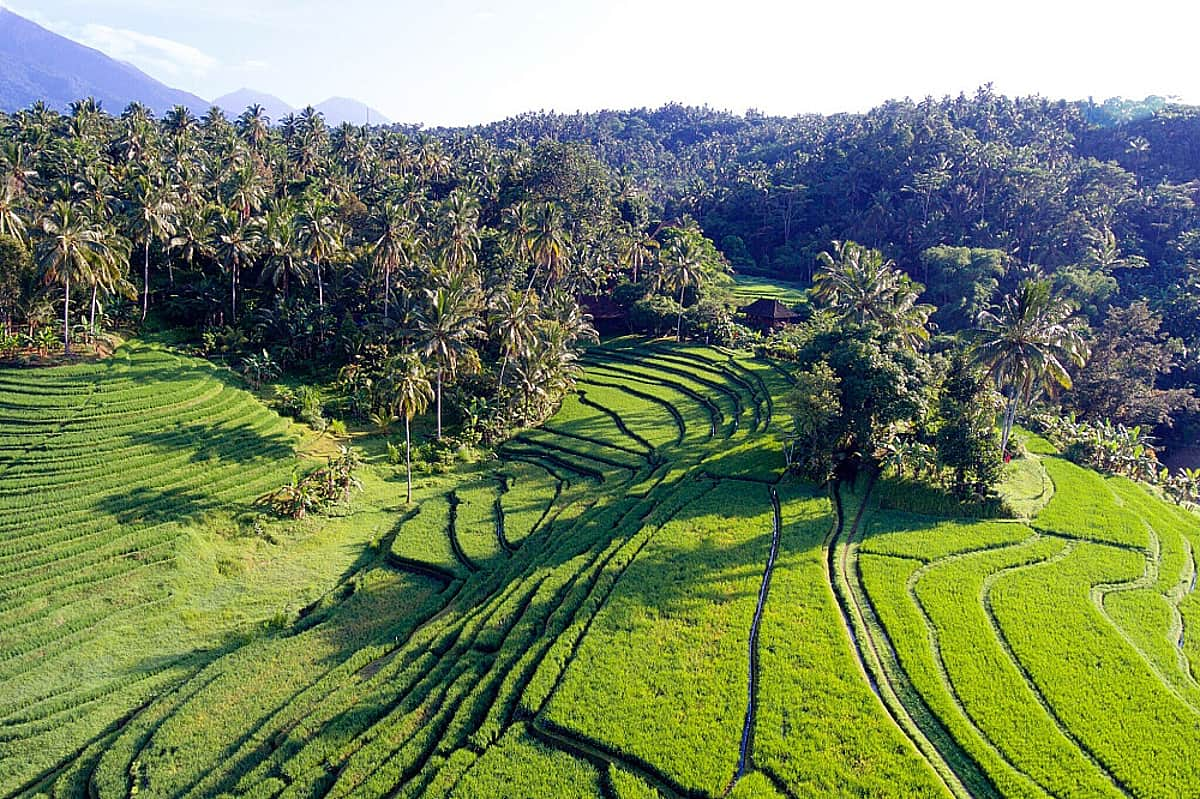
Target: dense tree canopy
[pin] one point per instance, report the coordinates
(314, 242)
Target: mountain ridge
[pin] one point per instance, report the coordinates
(38, 64)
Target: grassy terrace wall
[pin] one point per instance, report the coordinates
(571, 620)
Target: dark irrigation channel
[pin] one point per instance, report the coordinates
(755, 624)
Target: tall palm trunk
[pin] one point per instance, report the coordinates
(67, 316)
(146, 280)
(387, 288)
(679, 321)
(532, 277)
(233, 292)
(439, 403)
(92, 314)
(408, 456)
(1010, 416)
(320, 286)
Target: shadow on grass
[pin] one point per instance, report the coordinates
(218, 444)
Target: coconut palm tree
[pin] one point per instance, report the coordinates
(394, 247)
(857, 284)
(636, 250)
(17, 170)
(409, 393)
(517, 223)
(447, 325)
(246, 191)
(11, 221)
(254, 126)
(548, 243)
(153, 217)
(281, 247)
(513, 317)
(681, 267)
(320, 237)
(460, 231)
(1025, 342)
(69, 253)
(235, 243)
(110, 272)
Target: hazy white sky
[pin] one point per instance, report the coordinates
(461, 61)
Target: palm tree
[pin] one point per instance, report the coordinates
(16, 167)
(460, 231)
(320, 237)
(281, 246)
(513, 317)
(548, 243)
(254, 126)
(235, 243)
(247, 191)
(11, 222)
(394, 247)
(517, 222)
(447, 326)
(682, 267)
(857, 284)
(637, 250)
(69, 254)
(409, 394)
(109, 271)
(1025, 342)
(153, 218)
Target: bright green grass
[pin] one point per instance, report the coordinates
(569, 620)
(1129, 718)
(746, 289)
(820, 730)
(1083, 506)
(520, 767)
(987, 684)
(658, 674)
(1025, 487)
(425, 537)
(147, 563)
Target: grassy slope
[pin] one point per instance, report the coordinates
(571, 620)
(129, 577)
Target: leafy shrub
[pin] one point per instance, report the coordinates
(260, 368)
(318, 490)
(303, 404)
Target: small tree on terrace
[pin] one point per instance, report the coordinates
(966, 438)
(863, 385)
(408, 395)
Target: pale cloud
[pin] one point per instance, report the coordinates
(155, 54)
(255, 64)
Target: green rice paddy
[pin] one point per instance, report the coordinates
(578, 618)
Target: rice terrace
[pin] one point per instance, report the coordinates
(660, 453)
(581, 618)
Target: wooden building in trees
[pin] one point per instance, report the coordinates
(764, 314)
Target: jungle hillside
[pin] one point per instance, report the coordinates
(651, 453)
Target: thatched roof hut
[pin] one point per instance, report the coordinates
(768, 314)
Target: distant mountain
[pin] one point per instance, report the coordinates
(235, 103)
(343, 109)
(36, 64)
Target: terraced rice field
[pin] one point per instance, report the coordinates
(746, 289)
(633, 601)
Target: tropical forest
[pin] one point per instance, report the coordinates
(666, 452)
